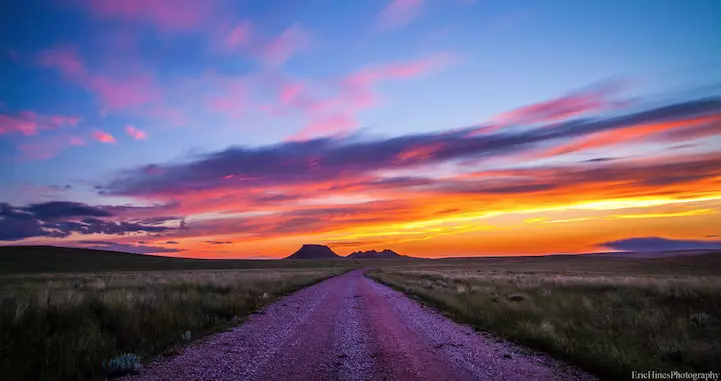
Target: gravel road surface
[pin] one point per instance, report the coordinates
(352, 328)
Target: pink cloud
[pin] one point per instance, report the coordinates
(103, 137)
(239, 35)
(168, 15)
(126, 92)
(578, 103)
(280, 49)
(289, 92)
(63, 59)
(404, 70)
(338, 113)
(62, 120)
(326, 125)
(399, 13)
(358, 87)
(232, 101)
(22, 123)
(114, 93)
(29, 122)
(43, 148)
(135, 133)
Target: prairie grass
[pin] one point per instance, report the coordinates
(607, 324)
(61, 326)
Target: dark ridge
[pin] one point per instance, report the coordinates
(51, 259)
(372, 254)
(314, 252)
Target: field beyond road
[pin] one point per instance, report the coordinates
(62, 326)
(609, 317)
(606, 315)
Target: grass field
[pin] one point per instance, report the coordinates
(63, 311)
(61, 326)
(610, 316)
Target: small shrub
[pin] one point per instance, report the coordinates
(701, 319)
(127, 363)
(186, 336)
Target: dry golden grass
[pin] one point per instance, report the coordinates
(61, 326)
(608, 324)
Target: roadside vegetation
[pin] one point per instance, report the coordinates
(608, 323)
(72, 326)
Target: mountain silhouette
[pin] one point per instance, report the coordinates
(309, 251)
(372, 254)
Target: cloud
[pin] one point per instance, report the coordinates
(128, 248)
(600, 159)
(335, 184)
(660, 244)
(218, 242)
(155, 219)
(667, 130)
(98, 226)
(135, 133)
(331, 159)
(60, 219)
(166, 15)
(45, 147)
(63, 209)
(353, 94)
(281, 48)
(124, 93)
(64, 59)
(399, 13)
(353, 243)
(115, 92)
(29, 122)
(16, 224)
(593, 99)
(239, 35)
(103, 137)
(230, 97)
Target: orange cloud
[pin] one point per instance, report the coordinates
(710, 124)
(103, 137)
(135, 133)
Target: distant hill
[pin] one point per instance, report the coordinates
(314, 252)
(372, 254)
(33, 259)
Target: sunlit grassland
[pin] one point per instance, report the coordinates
(608, 323)
(61, 326)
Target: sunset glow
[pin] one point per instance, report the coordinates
(433, 128)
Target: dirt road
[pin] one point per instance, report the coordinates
(351, 328)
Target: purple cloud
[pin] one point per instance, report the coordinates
(660, 244)
(329, 159)
(60, 219)
(128, 248)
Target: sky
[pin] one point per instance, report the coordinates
(244, 129)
